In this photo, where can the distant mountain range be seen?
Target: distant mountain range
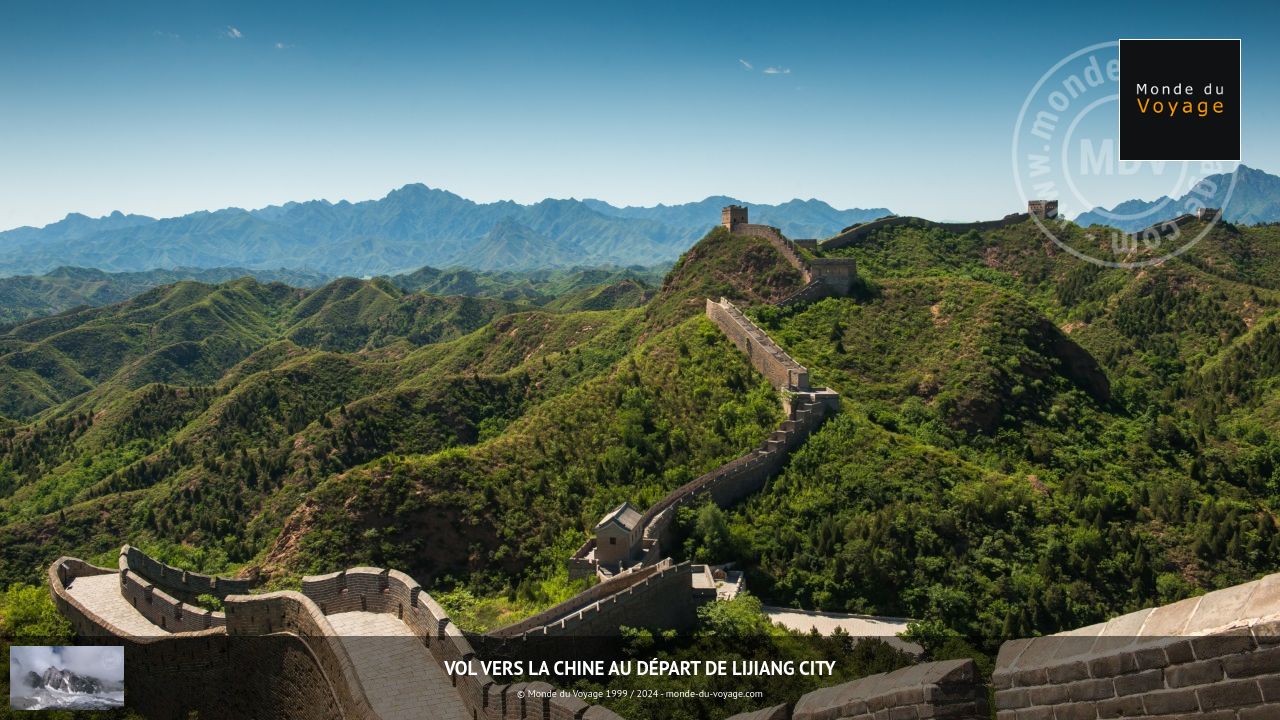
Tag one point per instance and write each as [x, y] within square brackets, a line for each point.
[28, 296]
[411, 227]
[23, 297]
[1255, 199]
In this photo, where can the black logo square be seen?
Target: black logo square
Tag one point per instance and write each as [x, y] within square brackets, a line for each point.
[1180, 100]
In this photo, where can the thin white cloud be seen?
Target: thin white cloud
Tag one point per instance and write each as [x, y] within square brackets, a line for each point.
[166, 35]
[746, 64]
[777, 71]
[234, 33]
[283, 46]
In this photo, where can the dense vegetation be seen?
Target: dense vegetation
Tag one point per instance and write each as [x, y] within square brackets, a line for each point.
[285, 430]
[1028, 442]
[737, 631]
[982, 476]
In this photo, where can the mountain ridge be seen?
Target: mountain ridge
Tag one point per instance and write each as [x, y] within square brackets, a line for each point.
[1254, 199]
[410, 227]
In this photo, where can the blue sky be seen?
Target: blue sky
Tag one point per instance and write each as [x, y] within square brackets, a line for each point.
[166, 108]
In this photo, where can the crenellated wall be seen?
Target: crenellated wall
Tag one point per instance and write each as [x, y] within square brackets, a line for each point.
[163, 610]
[763, 353]
[785, 247]
[1163, 228]
[219, 676]
[591, 595]
[950, 689]
[732, 482]
[179, 583]
[665, 598]
[253, 616]
[1216, 656]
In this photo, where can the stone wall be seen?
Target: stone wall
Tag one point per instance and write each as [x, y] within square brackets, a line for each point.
[732, 482]
[854, 233]
[788, 249]
[829, 276]
[252, 616]
[1216, 656]
[179, 583]
[951, 689]
[394, 592]
[163, 610]
[1163, 228]
[83, 621]
[391, 591]
[580, 601]
[814, 291]
[838, 274]
[662, 599]
[207, 671]
[225, 678]
[728, 484]
[765, 355]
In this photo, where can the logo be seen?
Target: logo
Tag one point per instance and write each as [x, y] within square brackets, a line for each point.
[1065, 150]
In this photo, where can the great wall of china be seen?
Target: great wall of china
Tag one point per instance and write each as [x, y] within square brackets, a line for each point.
[370, 644]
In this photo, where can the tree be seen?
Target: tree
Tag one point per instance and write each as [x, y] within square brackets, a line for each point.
[27, 614]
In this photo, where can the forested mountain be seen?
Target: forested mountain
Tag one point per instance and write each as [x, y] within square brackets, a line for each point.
[409, 228]
[1028, 442]
[24, 297]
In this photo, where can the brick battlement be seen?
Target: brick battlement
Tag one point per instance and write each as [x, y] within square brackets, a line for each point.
[178, 582]
[1217, 655]
[766, 357]
[827, 276]
[279, 654]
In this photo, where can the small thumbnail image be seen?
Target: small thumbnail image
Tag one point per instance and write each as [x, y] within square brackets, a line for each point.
[66, 677]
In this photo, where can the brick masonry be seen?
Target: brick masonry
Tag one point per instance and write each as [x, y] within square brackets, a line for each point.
[177, 582]
[1215, 656]
[764, 354]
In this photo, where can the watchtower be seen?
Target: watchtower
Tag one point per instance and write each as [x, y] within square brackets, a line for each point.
[1044, 209]
[733, 215]
[1208, 214]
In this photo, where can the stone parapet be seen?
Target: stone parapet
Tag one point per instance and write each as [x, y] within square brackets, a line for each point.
[951, 689]
[1217, 655]
[177, 582]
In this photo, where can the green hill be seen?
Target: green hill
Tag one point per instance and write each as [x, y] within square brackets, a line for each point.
[1027, 442]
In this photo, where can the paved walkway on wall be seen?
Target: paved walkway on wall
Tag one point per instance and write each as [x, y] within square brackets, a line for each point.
[400, 678]
[101, 594]
[885, 628]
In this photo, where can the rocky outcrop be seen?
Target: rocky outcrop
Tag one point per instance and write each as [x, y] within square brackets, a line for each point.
[64, 681]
